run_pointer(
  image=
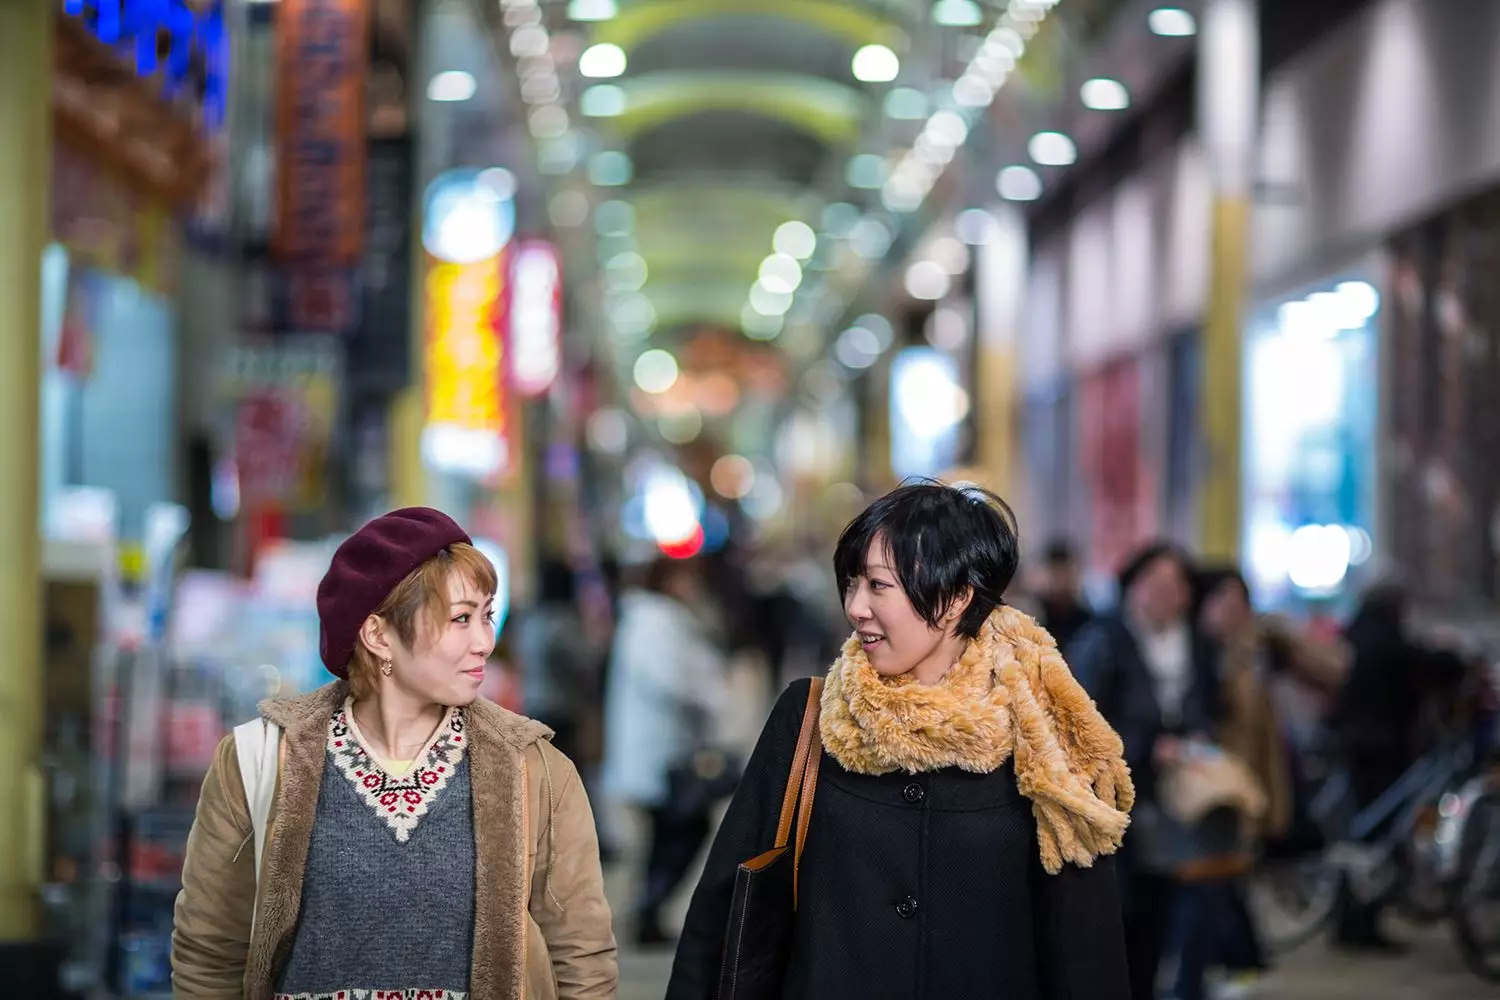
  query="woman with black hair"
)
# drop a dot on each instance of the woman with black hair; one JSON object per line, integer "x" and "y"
{"x": 969, "y": 797}
{"x": 1151, "y": 673}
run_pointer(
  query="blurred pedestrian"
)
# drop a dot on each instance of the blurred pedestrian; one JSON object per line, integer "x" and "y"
{"x": 668, "y": 689}
{"x": 1376, "y": 719}
{"x": 1151, "y": 673}
{"x": 970, "y": 794}
{"x": 558, "y": 663}
{"x": 420, "y": 839}
{"x": 1218, "y": 930}
{"x": 1058, "y": 586}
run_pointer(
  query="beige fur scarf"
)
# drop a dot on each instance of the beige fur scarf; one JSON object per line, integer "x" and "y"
{"x": 1010, "y": 695}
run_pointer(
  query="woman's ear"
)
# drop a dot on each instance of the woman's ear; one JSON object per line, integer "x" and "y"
{"x": 957, "y": 608}
{"x": 374, "y": 634}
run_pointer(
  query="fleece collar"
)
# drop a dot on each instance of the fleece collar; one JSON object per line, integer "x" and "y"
{"x": 1010, "y": 697}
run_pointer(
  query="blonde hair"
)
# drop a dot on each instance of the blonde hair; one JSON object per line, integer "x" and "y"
{"x": 423, "y": 595}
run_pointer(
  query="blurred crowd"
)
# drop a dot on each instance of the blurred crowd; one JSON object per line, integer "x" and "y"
{"x": 1228, "y": 716}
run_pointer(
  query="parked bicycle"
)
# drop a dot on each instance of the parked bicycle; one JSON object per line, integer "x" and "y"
{"x": 1384, "y": 852}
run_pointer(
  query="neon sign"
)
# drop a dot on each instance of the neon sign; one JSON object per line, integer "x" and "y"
{"x": 165, "y": 38}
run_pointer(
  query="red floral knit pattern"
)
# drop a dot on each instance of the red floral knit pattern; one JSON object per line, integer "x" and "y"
{"x": 376, "y": 995}
{"x": 401, "y": 801}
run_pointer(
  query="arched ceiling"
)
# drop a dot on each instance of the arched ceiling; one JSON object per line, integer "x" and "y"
{"x": 733, "y": 117}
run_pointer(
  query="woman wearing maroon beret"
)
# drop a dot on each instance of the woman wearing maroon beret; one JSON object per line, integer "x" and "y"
{"x": 392, "y": 834}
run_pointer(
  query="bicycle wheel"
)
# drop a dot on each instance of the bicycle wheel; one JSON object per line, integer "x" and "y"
{"x": 1421, "y": 895}
{"x": 1476, "y": 904}
{"x": 1292, "y": 900}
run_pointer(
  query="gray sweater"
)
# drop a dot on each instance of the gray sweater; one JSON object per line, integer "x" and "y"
{"x": 388, "y": 893}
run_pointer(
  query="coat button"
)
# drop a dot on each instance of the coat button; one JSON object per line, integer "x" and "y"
{"x": 913, "y": 792}
{"x": 907, "y": 908}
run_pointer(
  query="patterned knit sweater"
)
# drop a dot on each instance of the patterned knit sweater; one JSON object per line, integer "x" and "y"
{"x": 388, "y": 893}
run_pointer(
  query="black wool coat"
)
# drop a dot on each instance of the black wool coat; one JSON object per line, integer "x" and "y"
{"x": 912, "y": 887}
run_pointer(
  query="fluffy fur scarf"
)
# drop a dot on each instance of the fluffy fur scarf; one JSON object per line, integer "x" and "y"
{"x": 1009, "y": 697}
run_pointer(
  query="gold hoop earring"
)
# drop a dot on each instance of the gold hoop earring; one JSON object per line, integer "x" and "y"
{"x": 385, "y": 667}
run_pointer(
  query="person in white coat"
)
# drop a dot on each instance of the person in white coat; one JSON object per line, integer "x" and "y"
{"x": 667, "y": 693}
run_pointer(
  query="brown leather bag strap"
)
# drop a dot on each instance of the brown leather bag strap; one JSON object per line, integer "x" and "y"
{"x": 796, "y": 777}
{"x": 805, "y": 802}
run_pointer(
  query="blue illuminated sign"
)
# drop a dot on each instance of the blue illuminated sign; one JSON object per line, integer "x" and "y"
{"x": 194, "y": 43}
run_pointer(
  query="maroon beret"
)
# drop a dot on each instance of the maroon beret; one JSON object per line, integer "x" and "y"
{"x": 368, "y": 566}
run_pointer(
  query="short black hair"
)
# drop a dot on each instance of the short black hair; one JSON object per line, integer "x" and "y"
{"x": 558, "y": 583}
{"x": 1142, "y": 558}
{"x": 1209, "y": 579}
{"x": 1058, "y": 552}
{"x": 940, "y": 540}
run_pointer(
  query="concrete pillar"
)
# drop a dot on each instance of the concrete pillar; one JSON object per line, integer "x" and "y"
{"x": 1228, "y": 122}
{"x": 26, "y": 40}
{"x": 1002, "y": 262}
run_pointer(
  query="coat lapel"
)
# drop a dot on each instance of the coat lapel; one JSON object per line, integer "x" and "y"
{"x": 502, "y": 831}
{"x": 304, "y": 725}
{"x": 498, "y": 769}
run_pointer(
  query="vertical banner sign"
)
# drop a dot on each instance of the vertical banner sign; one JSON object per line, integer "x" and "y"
{"x": 322, "y": 48}
{"x": 535, "y": 318}
{"x": 467, "y": 429}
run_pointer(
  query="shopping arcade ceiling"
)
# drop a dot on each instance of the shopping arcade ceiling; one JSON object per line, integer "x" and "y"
{"x": 730, "y": 118}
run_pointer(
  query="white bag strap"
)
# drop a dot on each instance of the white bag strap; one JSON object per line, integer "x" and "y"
{"x": 257, "y": 744}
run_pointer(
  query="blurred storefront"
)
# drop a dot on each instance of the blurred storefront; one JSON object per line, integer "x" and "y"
{"x": 1374, "y": 145}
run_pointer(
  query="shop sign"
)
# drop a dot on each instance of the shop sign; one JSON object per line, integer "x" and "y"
{"x": 466, "y": 430}
{"x": 194, "y": 36}
{"x": 322, "y": 50}
{"x": 285, "y": 399}
{"x": 535, "y": 318}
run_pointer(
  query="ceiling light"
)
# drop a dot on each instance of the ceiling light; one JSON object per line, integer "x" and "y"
{"x": 927, "y": 280}
{"x": 454, "y": 85}
{"x": 795, "y": 239}
{"x": 1018, "y": 183}
{"x": 781, "y": 273}
{"x": 603, "y": 100}
{"x": 610, "y": 168}
{"x": 515, "y": 17}
{"x": 1104, "y": 94}
{"x": 1172, "y": 22}
{"x": 681, "y": 426}
{"x": 614, "y": 218}
{"x": 769, "y": 303}
{"x": 602, "y": 62}
{"x": 1052, "y": 149}
{"x": 633, "y": 316}
{"x": 1006, "y": 39}
{"x": 626, "y": 272}
{"x": 655, "y": 371}
{"x": 592, "y": 10}
{"x": 530, "y": 41}
{"x": 870, "y": 238}
{"x": 948, "y": 128}
{"x": 885, "y": 334}
{"x": 972, "y": 91}
{"x": 949, "y": 253}
{"x": 568, "y": 209}
{"x": 549, "y": 121}
{"x": 906, "y": 104}
{"x": 875, "y": 64}
{"x": 956, "y": 13}
{"x": 974, "y": 226}
{"x": 499, "y": 182}
{"x": 867, "y": 171}
{"x": 541, "y": 90}
{"x": 857, "y": 348}
{"x": 758, "y": 326}
{"x": 839, "y": 218}
{"x": 732, "y": 476}
{"x": 559, "y": 156}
